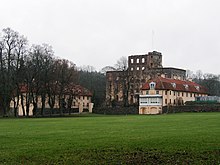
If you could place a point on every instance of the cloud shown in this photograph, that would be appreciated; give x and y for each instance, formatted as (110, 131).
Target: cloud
(99, 32)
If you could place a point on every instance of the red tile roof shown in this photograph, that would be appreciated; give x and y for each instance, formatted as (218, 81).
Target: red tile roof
(76, 90)
(23, 88)
(167, 84)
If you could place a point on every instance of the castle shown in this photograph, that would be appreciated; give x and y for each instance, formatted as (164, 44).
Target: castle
(124, 87)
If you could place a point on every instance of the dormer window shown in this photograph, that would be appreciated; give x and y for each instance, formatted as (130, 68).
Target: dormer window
(174, 85)
(152, 85)
(186, 86)
(197, 88)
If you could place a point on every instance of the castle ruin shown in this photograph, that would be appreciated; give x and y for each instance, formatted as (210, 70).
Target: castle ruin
(123, 87)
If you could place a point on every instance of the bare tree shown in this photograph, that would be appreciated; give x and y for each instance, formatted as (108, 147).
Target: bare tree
(189, 74)
(87, 68)
(66, 74)
(122, 64)
(106, 69)
(41, 60)
(8, 65)
(31, 74)
(20, 52)
(199, 75)
(210, 81)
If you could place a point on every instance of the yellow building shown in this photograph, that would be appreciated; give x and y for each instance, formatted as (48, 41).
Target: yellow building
(73, 97)
(161, 91)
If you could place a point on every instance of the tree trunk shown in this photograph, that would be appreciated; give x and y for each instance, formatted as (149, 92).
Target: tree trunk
(27, 109)
(43, 99)
(22, 104)
(70, 101)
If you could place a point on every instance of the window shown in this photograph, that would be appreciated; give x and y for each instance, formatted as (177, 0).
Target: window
(143, 68)
(165, 92)
(170, 92)
(191, 95)
(132, 69)
(147, 92)
(152, 85)
(182, 94)
(132, 61)
(174, 85)
(157, 92)
(138, 68)
(186, 86)
(178, 93)
(174, 93)
(170, 101)
(137, 60)
(174, 101)
(165, 101)
(197, 88)
(143, 60)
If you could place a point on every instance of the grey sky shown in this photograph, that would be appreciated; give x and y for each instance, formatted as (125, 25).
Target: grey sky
(98, 32)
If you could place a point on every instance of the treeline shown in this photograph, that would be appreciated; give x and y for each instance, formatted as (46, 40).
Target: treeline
(95, 82)
(210, 81)
(36, 70)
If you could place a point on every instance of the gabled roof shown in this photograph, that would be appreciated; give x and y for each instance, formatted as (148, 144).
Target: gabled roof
(77, 90)
(175, 85)
(73, 89)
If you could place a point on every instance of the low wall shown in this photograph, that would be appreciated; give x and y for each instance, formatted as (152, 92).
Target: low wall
(116, 110)
(191, 108)
(56, 111)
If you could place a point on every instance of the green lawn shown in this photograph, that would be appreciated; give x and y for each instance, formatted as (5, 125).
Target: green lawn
(184, 138)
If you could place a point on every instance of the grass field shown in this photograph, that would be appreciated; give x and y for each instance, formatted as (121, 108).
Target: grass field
(184, 138)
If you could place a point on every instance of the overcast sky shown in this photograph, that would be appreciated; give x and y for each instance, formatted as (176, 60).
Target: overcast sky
(98, 32)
